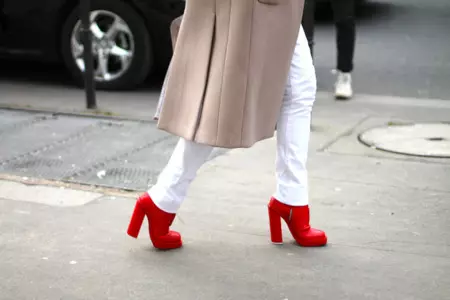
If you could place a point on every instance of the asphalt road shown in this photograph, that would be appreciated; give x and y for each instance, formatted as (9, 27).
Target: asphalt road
(403, 49)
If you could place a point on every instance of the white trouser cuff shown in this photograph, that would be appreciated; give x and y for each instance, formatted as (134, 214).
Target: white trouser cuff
(162, 199)
(295, 196)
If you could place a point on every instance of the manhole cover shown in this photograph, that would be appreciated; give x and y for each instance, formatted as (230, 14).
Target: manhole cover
(430, 140)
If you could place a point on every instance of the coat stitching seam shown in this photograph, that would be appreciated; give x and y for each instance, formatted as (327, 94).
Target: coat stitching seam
(223, 73)
(248, 75)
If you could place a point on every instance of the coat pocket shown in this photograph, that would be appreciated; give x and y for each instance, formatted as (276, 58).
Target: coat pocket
(270, 2)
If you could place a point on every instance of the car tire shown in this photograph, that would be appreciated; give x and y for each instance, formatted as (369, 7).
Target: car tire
(141, 61)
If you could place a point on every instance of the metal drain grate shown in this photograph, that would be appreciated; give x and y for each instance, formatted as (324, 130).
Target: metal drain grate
(123, 178)
(35, 167)
(138, 169)
(119, 154)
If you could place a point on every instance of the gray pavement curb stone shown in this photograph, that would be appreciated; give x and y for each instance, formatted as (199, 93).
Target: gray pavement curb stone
(94, 114)
(30, 181)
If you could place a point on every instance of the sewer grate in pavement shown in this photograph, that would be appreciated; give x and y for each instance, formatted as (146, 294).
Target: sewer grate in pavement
(149, 158)
(426, 139)
(110, 153)
(36, 163)
(43, 167)
(79, 152)
(121, 177)
(136, 170)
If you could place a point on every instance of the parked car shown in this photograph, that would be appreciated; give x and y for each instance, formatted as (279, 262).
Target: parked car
(131, 38)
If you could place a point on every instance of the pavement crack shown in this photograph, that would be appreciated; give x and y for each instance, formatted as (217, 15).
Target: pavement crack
(344, 133)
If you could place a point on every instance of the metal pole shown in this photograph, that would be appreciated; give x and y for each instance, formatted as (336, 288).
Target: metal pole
(89, 84)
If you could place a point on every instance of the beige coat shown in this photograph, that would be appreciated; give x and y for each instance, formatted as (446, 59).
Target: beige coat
(227, 76)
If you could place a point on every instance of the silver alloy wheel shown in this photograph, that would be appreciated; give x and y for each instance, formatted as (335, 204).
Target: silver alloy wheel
(112, 45)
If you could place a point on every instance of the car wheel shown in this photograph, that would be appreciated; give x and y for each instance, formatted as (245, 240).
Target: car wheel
(120, 44)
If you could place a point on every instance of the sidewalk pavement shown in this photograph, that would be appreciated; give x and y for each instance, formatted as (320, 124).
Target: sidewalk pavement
(387, 217)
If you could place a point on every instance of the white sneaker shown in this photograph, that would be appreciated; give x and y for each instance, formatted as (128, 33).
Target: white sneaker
(343, 87)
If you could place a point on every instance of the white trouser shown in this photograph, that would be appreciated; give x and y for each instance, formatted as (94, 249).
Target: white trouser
(293, 131)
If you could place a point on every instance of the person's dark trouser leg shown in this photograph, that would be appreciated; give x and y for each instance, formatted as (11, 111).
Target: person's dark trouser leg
(344, 15)
(308, 22)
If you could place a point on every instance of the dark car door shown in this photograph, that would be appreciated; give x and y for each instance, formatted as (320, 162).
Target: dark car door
(21, 25)
(2, 21)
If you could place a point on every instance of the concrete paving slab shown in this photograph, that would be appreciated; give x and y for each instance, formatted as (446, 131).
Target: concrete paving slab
(84, 253)
(386, 223)
(16, 119)
(325, 133)
(47, 195)
(386, 218)
(368, 170)
(349, 144)
(357, 205)
(42, 134)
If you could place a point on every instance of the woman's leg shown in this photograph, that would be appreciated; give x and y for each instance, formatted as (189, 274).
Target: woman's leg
(290, 201)
(344, 15)
(162, 201)
(293, 127)
(171, 188)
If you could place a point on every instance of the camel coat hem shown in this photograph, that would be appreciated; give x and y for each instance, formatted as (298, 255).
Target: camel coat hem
(227, 77)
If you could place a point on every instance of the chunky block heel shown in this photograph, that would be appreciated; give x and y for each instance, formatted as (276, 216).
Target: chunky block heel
(136, 221)
(276, 233)
(159, 223)
(297, 219)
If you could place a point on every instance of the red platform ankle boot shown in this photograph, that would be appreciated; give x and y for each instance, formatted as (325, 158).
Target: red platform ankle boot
(158, 221)
(297, 219)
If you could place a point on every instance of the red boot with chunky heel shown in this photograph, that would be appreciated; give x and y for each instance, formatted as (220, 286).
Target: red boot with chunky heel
(297, 219)
(158, 221)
